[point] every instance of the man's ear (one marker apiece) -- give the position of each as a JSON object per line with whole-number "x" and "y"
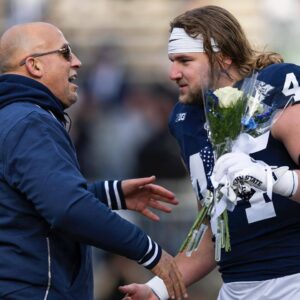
{"x": 34, "y": 67}
{"x": 225, "y": 61}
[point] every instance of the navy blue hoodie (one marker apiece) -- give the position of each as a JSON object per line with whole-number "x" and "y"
{"x": 48, "y": 212}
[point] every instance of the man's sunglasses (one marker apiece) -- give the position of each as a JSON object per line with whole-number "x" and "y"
{"x": 65, "y": 51}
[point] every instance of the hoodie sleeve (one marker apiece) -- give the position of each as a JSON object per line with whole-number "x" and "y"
{"x": 40, "y": 162}
{"x": 109, "y": 192}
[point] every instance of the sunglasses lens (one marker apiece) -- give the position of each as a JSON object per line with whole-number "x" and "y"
{"x": 67, "y": 52}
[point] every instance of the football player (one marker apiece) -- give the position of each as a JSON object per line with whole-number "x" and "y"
{"x": 207, "y": 47}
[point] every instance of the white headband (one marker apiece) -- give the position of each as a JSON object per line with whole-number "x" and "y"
{"x": 181, "y": 42}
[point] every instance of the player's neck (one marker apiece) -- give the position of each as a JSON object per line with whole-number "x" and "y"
{"x": 228, "y": 77}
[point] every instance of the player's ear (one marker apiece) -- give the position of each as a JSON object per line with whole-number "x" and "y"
{"x": 225, "y": 61}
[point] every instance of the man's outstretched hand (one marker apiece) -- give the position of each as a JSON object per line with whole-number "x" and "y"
{"x": 141, "y": 194}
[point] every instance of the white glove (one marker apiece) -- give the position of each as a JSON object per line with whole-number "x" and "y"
{"x": 242, "y": 170}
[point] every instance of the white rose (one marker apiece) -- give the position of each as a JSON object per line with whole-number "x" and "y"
{"x": 228, "y": 96}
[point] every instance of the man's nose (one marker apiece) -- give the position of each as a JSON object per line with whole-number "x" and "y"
{"x": 174, "y": 72}
{"x": 75, "y": 61}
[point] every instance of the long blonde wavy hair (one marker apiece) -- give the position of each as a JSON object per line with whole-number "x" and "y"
{"x": 217, "y": 23}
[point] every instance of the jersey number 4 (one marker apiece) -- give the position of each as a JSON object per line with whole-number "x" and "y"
{"x": 291, "y": 86}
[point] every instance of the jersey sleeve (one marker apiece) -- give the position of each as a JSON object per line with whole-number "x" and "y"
{"x": 279, "y": 85}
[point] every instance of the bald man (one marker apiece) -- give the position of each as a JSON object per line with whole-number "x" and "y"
{"x": 48, "y": 212}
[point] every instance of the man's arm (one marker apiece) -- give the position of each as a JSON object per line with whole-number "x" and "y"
{"x": 241, "y": 170}
{"x": 40, "y": 163}
{"x": 200, "y": 263}
{"x": 287, "y": 130}
{"x": 138, "y": 194}
{"x": 192, "y": 268}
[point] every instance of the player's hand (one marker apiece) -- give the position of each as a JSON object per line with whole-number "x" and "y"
{"x": 141, "y": 194}
{"x": 136, "y": 291}
{"x": 241, "y": 169}
{"x": 167, "y": 270}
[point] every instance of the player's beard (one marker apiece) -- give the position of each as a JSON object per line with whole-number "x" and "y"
{"x": 197, "y": 97}
{"x": 195, "y": 92}
{"x": 192, "y": 97}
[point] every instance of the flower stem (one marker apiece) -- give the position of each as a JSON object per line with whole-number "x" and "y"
{"x": 200, "y": 217}
{"x": 227, "y": 235}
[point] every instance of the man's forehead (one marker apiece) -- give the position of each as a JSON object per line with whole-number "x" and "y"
{"x": 178, "y": 56}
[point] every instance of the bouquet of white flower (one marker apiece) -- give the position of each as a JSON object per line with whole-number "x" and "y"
{"x": 235, "y": 118}
{"x": 225, "y": 108}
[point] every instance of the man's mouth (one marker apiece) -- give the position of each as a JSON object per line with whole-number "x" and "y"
{"x": 181, "y": 84}
{"x": 182, "y": 87}
{"x": 72, "y": 78}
